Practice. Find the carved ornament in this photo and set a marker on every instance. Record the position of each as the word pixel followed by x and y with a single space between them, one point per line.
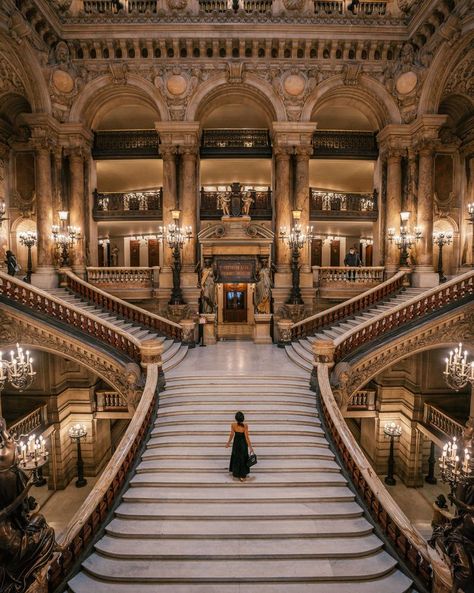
pixel 177 4
pixel 461 79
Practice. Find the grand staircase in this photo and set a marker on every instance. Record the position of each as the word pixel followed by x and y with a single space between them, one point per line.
pixel 173 352
pixel 185 525
pixel 300 351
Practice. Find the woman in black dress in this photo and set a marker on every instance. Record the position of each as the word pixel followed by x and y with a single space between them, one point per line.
pixel 239 432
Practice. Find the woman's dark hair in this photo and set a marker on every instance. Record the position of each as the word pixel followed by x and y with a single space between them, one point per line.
pixel 240 418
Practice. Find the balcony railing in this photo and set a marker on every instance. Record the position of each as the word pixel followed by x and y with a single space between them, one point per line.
pixel 146 205
pixel 337 205
pixel 32 422
pixel 211 197
pixel 116 6
pixel 230 141
pixel 130 283
pixel 341 7
pixel 339 276
pixel 433 417
pixel 126 144
pixel 110 401
pixel 344 144
pixel 363 400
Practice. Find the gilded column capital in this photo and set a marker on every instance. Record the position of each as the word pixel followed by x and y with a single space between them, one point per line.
pixel 396 153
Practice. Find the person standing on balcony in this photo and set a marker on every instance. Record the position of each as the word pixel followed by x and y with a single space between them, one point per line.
pixel 352 260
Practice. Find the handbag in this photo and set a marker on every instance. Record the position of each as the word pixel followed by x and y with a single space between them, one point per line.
pixel 252 460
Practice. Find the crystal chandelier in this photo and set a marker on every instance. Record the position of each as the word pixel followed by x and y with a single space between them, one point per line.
pixel 18 371
pixel 454 471
pixel 458 371
pixel 405 239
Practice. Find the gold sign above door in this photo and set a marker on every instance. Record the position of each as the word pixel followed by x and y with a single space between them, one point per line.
pixel 235 269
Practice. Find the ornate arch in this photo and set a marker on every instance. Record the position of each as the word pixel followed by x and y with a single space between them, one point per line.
pixel 16 326
pixel 103 91
pixel 254 88
pixel 448 65
pixel 443 331
pixel 369 96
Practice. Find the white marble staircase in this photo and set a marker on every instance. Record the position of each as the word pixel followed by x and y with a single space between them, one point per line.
pixel 185 525
pixel 173 352
pixel 300 351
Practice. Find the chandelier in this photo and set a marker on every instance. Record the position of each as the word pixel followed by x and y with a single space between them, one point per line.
pixel 458 371
pixel 18 370
pixel 405 239
pixel 455 471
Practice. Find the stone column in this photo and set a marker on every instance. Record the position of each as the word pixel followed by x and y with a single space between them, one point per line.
pixel 282 206
pixel 424 274
pixel 4 193
pixel 57 192
pixel 188 184
pixel 302 196
pixel 77 208
pixel 169 192
pixel 394 206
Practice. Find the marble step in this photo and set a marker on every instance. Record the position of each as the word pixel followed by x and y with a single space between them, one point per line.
pixel 394 582
pixel 239 570
pixel 267 548
pixel 251 406
pixel 215 512
pixel 210 452
pixel 150 528
pixel 203 440
pixel 208 465
pixel 229 397
pixel 254 420
pixel 297 359
pixel 234 381
pixel 174 361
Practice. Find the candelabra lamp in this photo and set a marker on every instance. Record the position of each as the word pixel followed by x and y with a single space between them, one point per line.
pixel 176 237
pixel 18 371
pixel 296 239
pixel 470 212
pixel 3 211
pixel 65 236
pixel 32 457
pixel 441 239
pixel 458 371
pixel 405 239
pixel 77 432
pixel 391 431
pixel 29 240
pixel 454 470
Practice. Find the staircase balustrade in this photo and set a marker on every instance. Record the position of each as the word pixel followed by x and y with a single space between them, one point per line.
pixel 311 325
pixel 39 301
pixel 113 304
pixel 420 306
pixel 119 277
pixel 333 276
pixel 405 539
pixel 109 400
pixel 364 399
pixel 89 519
pixel 33 421
pixel 435 418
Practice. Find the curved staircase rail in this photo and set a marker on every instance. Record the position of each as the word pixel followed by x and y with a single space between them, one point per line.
pixel 405 539
pixel 90 517
pixel 311 325
pixel 113 304
pixel 428 302
pixel 40 301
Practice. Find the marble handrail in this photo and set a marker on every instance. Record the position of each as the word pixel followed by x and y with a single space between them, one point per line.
pixel 116 305
pixel 309 325
pixel 428 302
pixel 31 422
pixel 360 275
pixel 90 516
pixel 41 301
pixel 129 275
pixel 436 418
pixel 405 538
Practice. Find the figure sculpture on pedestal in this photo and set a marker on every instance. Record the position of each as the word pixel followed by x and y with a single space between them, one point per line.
pixel 223 203
pixel 263 289
pixel 247 201
pixel 114 253
pixel 26 540
pixel 208 288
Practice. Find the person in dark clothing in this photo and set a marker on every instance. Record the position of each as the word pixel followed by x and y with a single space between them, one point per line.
pixel 352 260
pixel 239 433
pixel 12 264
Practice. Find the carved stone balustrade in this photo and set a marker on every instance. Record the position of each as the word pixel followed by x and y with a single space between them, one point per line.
pixel 210 6
pixel 116 6
pixel 335 205
pixel 127 282
pixel 434 418
pixel 260 209
pixel 338 282
pixel 346 8
pixel 110 404
pixel 362 401
pixel 145 205
pixel 237 142
pixel 32 422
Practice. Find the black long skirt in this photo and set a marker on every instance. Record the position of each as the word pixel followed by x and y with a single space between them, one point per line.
pixel 240 456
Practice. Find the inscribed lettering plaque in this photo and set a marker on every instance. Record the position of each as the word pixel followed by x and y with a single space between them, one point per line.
pixel 235 269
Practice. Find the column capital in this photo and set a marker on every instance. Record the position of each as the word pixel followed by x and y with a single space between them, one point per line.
pixel 303 152
pixel 179 133
pixel 168 152
pixel 425 146
pixel 293 134
pixel 282 152
pixel 189 152
pixel 395 153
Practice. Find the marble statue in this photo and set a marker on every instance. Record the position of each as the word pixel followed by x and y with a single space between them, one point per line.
pixel 223 203
pixel 247 201
pixel 208 288
pixel 114 252
pixel 263 289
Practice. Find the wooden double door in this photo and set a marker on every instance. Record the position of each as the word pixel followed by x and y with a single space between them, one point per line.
pixel 235 303
pixel 153 253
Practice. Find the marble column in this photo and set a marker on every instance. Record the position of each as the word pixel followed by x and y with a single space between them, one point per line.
pixel 57 197
pixel 188 184
pixel 282 206
pixel 394 206
pixel 44 210
pixel 77 208
pixel 302 196
pixel 169 192
pixel 424 272
pixel 410 204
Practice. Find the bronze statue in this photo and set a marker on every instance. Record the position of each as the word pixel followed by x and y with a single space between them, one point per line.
pixel 263 288
pixel 208 288
pixel 26 541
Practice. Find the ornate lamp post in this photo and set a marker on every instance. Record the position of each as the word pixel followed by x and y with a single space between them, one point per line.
pixel 441 238
pixel 176 237
pixel 391 431
pixel 29 240
pixel 33 456
pixel 404 240
pixel 455 471
pixel 470 211
pixel 296 239
pixel 3 211
pixel 65 236
pixel 77 432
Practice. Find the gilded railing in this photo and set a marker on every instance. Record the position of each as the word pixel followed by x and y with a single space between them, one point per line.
pixel 138 204
pixel 328 203
pixel 36 419
pixel 436 418
pixel 311 325
pixel 38 300
pixel 427 303
pixel 125 143
pixel 113 304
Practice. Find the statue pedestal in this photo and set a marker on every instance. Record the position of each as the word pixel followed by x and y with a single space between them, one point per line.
pixel 209 328
pixel 261 330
